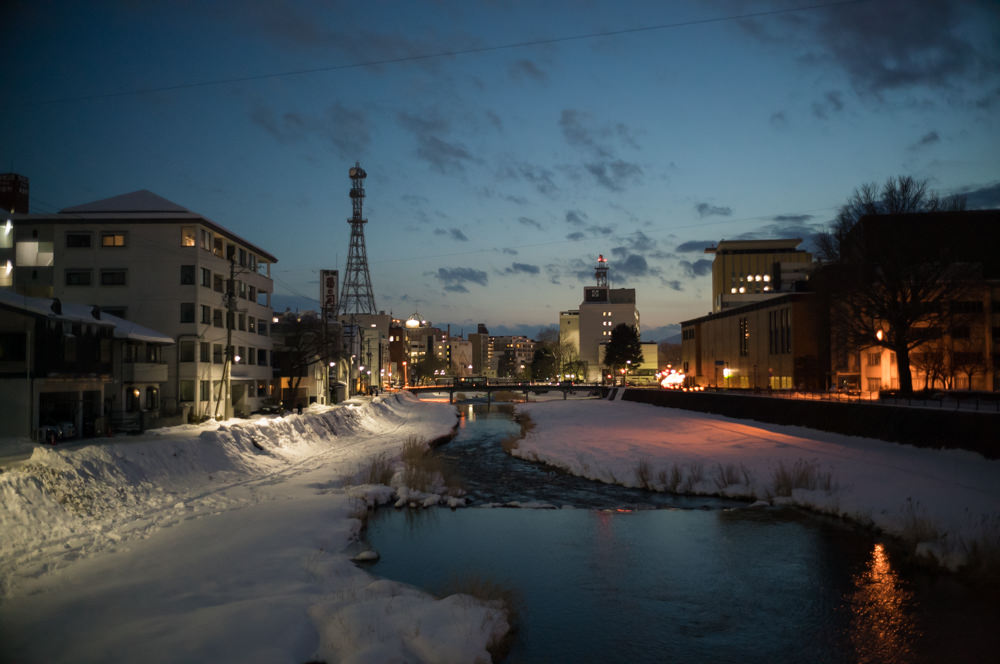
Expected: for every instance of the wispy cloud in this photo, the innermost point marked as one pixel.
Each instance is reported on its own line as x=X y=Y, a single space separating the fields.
x=930 y=138
x=345 y=129
x=522 y=268
x=526 y=69
x=444 y=156
x=698 y=268
x=692 y=246
x=528 y=221
x=602 y=143
x=455 y=278
x=708 y=210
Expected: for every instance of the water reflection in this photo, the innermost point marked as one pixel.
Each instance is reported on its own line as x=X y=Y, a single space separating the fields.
x=882 y=627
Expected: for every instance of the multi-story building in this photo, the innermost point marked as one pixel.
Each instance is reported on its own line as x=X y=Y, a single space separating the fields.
x=482 y=351
x=746 y=271
x=63 y=364
x=512 y=356
x=602 y=309
x=146 y=259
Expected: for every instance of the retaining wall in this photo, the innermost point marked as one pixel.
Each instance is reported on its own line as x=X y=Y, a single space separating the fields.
x=922 y=427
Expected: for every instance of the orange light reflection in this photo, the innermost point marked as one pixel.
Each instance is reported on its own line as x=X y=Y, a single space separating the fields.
x=881 y=628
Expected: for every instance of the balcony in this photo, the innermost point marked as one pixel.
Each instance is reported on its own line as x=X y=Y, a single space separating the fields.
x=144 y=372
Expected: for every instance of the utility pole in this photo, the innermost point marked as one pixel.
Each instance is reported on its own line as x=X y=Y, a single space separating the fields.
x=230 y=302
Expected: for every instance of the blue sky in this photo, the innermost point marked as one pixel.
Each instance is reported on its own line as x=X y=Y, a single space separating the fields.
x=554 y=132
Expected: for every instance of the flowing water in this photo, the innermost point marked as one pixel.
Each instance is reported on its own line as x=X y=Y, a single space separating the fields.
x=620 y=575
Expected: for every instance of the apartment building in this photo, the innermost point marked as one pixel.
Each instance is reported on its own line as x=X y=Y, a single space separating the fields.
x=143 y=258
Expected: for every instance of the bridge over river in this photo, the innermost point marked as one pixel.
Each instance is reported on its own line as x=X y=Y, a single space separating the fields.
x=489 y=387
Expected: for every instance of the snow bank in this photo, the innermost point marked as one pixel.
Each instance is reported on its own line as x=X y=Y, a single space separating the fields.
x=943 y=501
x=221 y=542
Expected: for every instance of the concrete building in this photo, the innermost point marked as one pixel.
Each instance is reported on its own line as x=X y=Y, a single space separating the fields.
x=585 y=329
x=512 y=356
x=776 y=343
x=482 y=352
x=63 y=365
x=146 y=259
x=746 y=271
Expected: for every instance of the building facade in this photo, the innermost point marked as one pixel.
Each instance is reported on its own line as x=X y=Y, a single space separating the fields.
x=747 y=271
x=143 y=258
x=583 y=330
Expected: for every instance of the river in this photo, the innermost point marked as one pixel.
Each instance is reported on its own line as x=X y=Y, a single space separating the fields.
x=612 y=574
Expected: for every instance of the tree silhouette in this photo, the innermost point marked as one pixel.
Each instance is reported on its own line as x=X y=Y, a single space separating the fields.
x=891 y=273
x=623 y=348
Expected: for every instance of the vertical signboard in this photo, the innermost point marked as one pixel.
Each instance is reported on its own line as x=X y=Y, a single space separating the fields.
x=328 y=292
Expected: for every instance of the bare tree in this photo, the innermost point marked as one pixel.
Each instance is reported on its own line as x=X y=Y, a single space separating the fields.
x=301 y=342
x=890 y=281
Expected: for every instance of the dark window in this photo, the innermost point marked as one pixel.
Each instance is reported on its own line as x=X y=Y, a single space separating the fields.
x=205 y=352
x=206 y=314
x=261 y=357
x=77 y=277
x=217 y=246
x=217 y=317
x=113 y=277
x=78 y=240
x=187 y=275
x=231 y=252
x=961 y=332
x=187 y=312
x=152 y=398
x=206 y=277
x=187 y=351
x=216 y=353
x=206 y=390
x=12 y=346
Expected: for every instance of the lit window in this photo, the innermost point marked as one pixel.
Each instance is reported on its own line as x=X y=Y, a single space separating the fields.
x=188 y=236
x=116 y=239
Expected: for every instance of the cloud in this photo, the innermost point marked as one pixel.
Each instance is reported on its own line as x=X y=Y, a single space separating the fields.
x=526 y=69
x=692 y=246
x=601 y=142
x=832 y=102
x=612 y=175
x=540 y=178
x=930 y=138
x=982 y=198
x=778 y=120
x=793 y=218
x=576 y=217
x=527 y=221
x=442 y=155
x=509 y=251
x=455 y=278
x=345 y=129
x=706 y=210
x=675 y=285
x=698 y=268
x=458 y=235
x=600 y=230
x=895 y=45
x=522 y=268
x=576 y=236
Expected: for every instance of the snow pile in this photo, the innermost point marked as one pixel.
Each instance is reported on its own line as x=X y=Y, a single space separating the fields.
x=945 y=502
x=222 y=542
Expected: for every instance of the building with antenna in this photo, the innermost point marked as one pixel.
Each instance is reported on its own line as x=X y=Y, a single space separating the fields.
x=145 y=259
x=584 y=329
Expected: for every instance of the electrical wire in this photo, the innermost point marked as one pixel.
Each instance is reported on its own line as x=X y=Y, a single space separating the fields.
x=442 y=54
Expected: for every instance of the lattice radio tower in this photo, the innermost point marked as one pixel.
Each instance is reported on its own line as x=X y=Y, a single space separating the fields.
x=356 y=294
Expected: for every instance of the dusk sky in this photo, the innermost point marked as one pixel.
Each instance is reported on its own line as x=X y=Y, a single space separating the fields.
x=507 y=144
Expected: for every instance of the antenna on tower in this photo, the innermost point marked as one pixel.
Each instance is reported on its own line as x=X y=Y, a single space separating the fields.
x=356 y=295
x=601 y=271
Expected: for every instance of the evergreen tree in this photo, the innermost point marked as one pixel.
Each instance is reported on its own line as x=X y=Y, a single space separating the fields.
x=622 y=349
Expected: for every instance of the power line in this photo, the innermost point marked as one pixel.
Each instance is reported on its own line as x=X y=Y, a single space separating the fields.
x=444 y=54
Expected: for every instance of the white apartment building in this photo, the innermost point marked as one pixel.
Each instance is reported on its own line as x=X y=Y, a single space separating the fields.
x=141 y=257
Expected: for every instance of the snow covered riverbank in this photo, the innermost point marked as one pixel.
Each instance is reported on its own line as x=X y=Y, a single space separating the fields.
x=222 y=543
x=945 y=502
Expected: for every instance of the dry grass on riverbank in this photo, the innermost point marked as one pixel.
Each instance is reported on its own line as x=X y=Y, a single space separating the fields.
x=424 y=471
x=511 y=442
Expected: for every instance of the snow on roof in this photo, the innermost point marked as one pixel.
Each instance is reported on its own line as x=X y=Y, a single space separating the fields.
x=136 y=201
x=81 y=313
x=126 y=329
x=42 y=306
